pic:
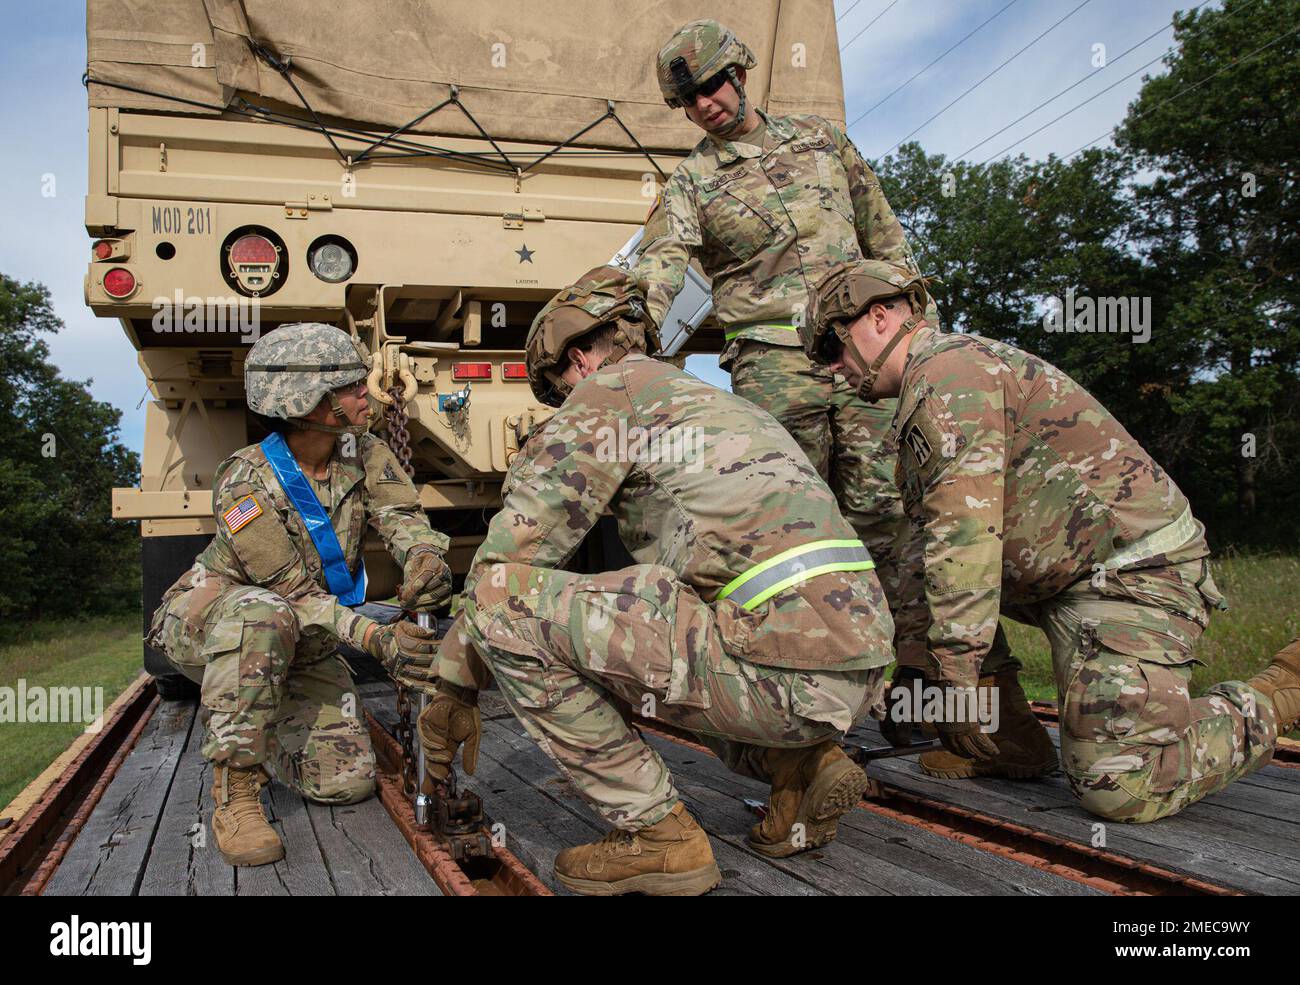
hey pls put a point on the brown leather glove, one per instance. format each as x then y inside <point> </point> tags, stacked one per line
<point>901,733</point>
<point>426,580</point>
<point>965,738</point>
<point>405,649</point>
<point>450,719</point>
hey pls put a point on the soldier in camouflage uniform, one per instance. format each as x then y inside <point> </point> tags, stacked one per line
<point>255,621</point>
<point>751,617</point>
<point>767,205</point>
<point>1029,499</point>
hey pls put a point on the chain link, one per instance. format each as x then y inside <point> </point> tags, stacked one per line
<point>398,435</point>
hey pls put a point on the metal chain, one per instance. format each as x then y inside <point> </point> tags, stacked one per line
<point>399,438</point>
<point>405,738</point>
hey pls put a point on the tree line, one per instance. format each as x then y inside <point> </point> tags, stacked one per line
<point>1196,212</point>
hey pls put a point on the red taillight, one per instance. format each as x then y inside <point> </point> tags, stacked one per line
<point>119,282</point>
<point>253,249</point>
<point>514,371</point>
<point>103,250</point>
<point>471,371</point>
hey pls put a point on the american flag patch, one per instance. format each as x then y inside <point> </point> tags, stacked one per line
<point>241,514</point>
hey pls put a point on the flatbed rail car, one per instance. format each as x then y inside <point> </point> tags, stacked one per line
<point>128,814</point>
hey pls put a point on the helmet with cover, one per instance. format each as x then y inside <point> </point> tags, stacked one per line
<point>696,54</point>
<point>844,294</point>
<point>605,295</point>
<point>290,370</point>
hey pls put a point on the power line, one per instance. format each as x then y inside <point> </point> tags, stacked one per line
<point>990,75</point>
<point>1074,85</point>
<point>930,66</point>
<point>1095,95</point>
<point>962,214</point>
<point>1196,85</point>
<point>864,30</point>
<point>847,12</point>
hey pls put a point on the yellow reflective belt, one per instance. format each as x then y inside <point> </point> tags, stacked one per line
<point>798,564</point>
<point>745,328</point>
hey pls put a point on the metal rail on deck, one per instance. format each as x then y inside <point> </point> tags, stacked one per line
<point>29,856</point>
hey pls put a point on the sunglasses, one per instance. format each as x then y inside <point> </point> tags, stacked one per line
<point>711,85</point>
<point>830,346</point>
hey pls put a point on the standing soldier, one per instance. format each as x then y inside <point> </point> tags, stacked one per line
<point>258,619</point>
<point>759,627</point>
<point>767,205</point>
<point>1029,499</point>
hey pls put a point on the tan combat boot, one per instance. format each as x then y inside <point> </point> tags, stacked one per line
<point>1280,683</point>
<point>243,834</point>
<point>812,787</point>
<point>671,858</point>
<point>1025,749</point>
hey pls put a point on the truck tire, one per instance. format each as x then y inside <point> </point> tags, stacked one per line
<point>163,559</point>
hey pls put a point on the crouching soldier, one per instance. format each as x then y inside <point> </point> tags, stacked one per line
<point>1029,499</point>
<point>751,617</point>
<point>257,621</point>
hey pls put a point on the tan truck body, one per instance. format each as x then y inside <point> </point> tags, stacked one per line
<point>456,238</point>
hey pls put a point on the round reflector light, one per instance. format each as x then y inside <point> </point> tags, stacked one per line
<point>253,249</point>
<point>119,283</point>
<point>103,250</point>
<point>331,263</point>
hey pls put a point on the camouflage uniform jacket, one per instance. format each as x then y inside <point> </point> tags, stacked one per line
<point>766,224</point>
<point>273,550</point>
<point>1019,484</point>
<point>701,482</point>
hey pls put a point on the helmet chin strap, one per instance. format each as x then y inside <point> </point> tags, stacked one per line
<point>354,429</point>
<point>729,130</point>
<point>868,381</point>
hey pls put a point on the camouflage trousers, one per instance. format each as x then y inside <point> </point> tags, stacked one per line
<point>272,697</point>
<point>573,654</point>
<point>845,438</point>
<point>1135,746</point>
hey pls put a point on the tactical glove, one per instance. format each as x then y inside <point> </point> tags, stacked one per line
<point>426,580</point>
<point>964,738</point>
<point>405,649</point>
<point>901,733</point>
<point>450,719</point>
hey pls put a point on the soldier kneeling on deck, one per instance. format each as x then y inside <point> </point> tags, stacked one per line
<point>1028,499</point>
<point>752,617</point>
<point>258,620</point>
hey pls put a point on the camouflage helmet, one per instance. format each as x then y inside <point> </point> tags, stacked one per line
<point>698,51</point>
<point>291,369</point>
<point>846,292</point>
<point>601,296</point>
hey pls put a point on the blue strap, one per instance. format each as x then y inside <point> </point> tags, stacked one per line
<point>350,591</point>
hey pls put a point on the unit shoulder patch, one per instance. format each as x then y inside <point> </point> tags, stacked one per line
<point>389,474</point>
<point>244,512</point>
<point>919,445</point>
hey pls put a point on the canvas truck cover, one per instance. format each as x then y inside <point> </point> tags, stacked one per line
<point>527,70</point>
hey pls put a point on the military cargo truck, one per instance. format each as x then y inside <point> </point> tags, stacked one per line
<point>423,176</point>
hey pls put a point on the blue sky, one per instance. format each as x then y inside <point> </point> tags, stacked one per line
<point>43,124</point>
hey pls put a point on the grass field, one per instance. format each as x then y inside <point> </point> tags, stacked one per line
<point>99,652</point>
<point>1262,618</point>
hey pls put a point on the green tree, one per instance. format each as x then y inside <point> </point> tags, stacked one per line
<point>60,460</point>
<point>1220,132</point>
